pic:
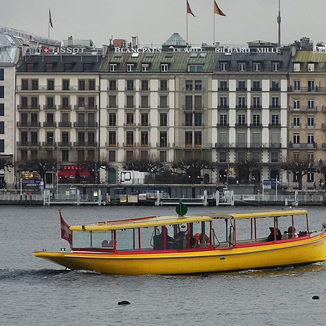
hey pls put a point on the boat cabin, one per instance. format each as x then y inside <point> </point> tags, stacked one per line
<point>191,232</point>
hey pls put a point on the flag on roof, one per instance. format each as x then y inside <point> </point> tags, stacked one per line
<point>217,10</point>
<point>189,11</point>
<point>50,19</point>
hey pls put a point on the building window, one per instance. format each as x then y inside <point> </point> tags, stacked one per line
<point>296,121</point>
<point>188,102</point>
<point>223,119</point>
<point>112,119</point>
<point>24,84</point>
<point>241,85</point>
<point>198,138</point>
<point>241,119</point>
<point>296,138</point>
<point>256,102</point>
<point>2,110</point>
<point>241,102</point>
<point>311,67</point>
<point>188,138</point>
<point>65,155</point>
<point>275,103</point>
<point>163,119</point>
<point>195,68</point>
<point>163,85</point>
<point>256,119</point>
<point>113,85</point>
<point>50,84</point>
<point>311,104</point>
<point>144,119</point>
<point>113,67</point>
<point>30,67</point>
<point>223,66</point>
<point>311,85</point>
<point>274,119</point>
<point>198,102</point>
<point>296,85</point>
<point>130,85</point>
<point>112,138</point>
<point>112,101</point>
<point>144,138</point>
<point>2,74</point>
<point>296,104</point>
<point>310,139</point>
<point>241,66</point>
<point>311,157</point>
<point>81,84</point>
<point>275,66</point>
<point>310,121</point>
<point>223,102</point>
<point>130,119</point>
<point>274,157</point>
<point>189,85</point>
<point>144,101</point>
<point>256,85</point>
<point>198,85</point>
<point>2,146</point>
<point>198,119</point>
<point>130,138</point>
<point>2,127</point>
<point>130,102</point>
<point>65,84</point>
<point>145,67</point>
<point>111,156</point>
<point>164,67</point>
<point>223,85</point>
<point>188,119</point>
<point>144,85</point>
<point>68,67</point>
<point>222,157</point>
<point>163,139</point>
<point>296,67</point>
<point>163,156</point>
<point>2,92</point>
<point>163,101</point>
<point>130,67</point>
<point>256,66</point>
<point>275,86</point>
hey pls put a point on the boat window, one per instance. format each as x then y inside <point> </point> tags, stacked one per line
<point>198,230</point>
<point>81,239</point>
<point>102,239</point>
<point>127,239</point>
<point>147,237</point>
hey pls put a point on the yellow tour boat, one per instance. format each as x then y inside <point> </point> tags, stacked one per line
<point>187,244</point>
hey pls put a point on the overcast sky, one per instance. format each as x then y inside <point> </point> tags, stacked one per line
<point>154,21</point>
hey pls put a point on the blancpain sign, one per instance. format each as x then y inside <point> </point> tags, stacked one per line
<point>199,49</point>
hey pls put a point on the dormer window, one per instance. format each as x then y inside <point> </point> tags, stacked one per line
<point>296,67</point>
<point>241,66</point>
<point>130,67</point>
<point>311,67</point>
<point>195,68</point>
<point>256,66</point>
<point>275,66</point>
<point>223,66</point>
<point>113,67</point>
<point>144,67</point>
<point>164,67</point>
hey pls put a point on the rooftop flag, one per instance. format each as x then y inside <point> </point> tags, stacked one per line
<point>189,11</point>
<point>217,10</point>
<point>50,19</point>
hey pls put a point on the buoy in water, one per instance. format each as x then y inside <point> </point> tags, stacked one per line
<point>315,297</point>
<point>123,302</point>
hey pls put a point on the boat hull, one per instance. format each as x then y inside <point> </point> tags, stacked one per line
<point>282,253</point>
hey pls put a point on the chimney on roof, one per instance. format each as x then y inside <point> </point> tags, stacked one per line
<point>70,41</point>
<point>134,41</point>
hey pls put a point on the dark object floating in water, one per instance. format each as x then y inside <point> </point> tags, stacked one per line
<point>315,297</point>
<point>123,302</point>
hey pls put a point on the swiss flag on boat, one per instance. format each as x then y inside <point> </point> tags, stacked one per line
<point>65,231</point>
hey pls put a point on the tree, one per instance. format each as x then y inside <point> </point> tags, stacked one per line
<point>146,165</point>
<point>192,168</point>
<point>244,169</point>
<point>299,168</point>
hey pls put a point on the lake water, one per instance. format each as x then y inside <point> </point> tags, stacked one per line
<point>37,292</point>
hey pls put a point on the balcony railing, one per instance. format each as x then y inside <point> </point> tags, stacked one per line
<point>303,145</point>
<point>307,89</point>
<point>85,144</point>
<point>85,107</point>
<point>85,124</point>
<point>28,144</point>
<point>65,124</point>
<point>48,124</point>
<point>28,107</point>
<point>28,124</point>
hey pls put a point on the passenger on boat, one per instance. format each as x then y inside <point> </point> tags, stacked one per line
<point>159,243</point>
<point>105,243</point>
<point>271,235</point>
<point>291,232</point>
